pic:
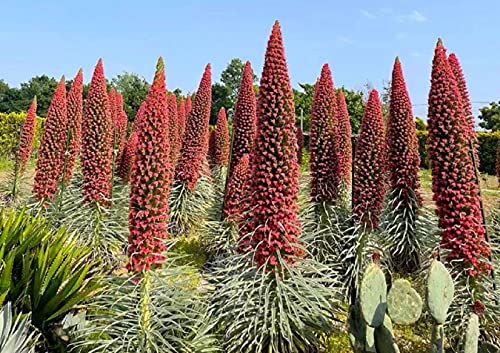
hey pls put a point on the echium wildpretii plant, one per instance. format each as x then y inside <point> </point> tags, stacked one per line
<point>50,162</point>
<point>25,147</point>
<point>97,141</point>
<point>369,180</point>
<point>191,194</point>
<point>128,155</point>
<point>181,120</point>
<point>268,298</point>
<point>218,156</point>
<point>322,145</point>
<point>453,179</point>
<point>75,111</point>
<point>150,180</point>
<point>466,104</point>
<point>404,241</point>
<point>456,194</point>
<point>344,150</point>
<point>244,119</point>
<point>173,130</point>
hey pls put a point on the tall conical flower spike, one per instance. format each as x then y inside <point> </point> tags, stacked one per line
<point>195,145</point>
<point>369,184</point>
<point>97,141</point>
<point>75,112</point>
<point>244,120</point>
<point>150,180</point>
<point>50,162</point>
<point>275,171</point>
<point>453,179</point>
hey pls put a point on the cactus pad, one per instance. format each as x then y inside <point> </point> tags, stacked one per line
<point>357,329</point>
<point>472,335</point>
<point>370,339</point>
<point>440,290</point>
<point>437,339</point>
<point>384,337</point>
<point>404,303</point>
<point>373,296</point>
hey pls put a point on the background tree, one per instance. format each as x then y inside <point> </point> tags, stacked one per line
<point>490,117</point>
<point>303,99</point>
<point>224,94</point>
<point>134,89</point>
<point>355,107</point>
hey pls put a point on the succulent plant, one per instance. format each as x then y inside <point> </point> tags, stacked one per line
<point>404,304</point>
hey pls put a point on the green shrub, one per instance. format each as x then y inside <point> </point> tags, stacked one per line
<point>488,145</point>
<point>10,129</point>
<point>422,150</point>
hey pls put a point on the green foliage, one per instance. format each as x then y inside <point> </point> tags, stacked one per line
<point>134,89</point>
<point>422,148</point>
<point>372,296</point>
<point>19,99</point>
<point>44,272</point>
<point>355,108</point>
<point>490,117</point>
<point>10,131</point>
<point>303,99</point>
<point>17,336</point>
<point>225,93</point>
<point>420,124</point>
<point>488,145</point>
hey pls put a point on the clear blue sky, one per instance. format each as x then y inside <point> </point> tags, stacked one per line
<point>359,39</point>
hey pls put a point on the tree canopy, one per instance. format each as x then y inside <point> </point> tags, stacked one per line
<point>490,117</point>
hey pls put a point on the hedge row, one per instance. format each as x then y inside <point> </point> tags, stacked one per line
<point>10,128</point>
<point>488,144</point>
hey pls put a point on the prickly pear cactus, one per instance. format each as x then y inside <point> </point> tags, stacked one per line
<point>404,304</point>
<point>357,329</point>
<point>437,339</point>
<point>384,337</point>
<point>373,296</point>
<point>440,290</point>
<point>370,339</point>
<point>472,334</point>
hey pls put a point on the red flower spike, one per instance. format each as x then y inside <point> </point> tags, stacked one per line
<point>219,142</point>
<point>195,145</point>
<point>113,106</point>
<point>323,159</point>
<point>50,162</point>
<point>181,120</point>
<point>344,145</point>
<point>300,145</point>
<point>188,106</point>
<point>244,120</point>
<point>466,104</point>
<point>173,129</point>
<point>236,193</point>
<point>453,180</point>
<point>150,180</point>
<point>75,111</point>
<point>275,171</point>
<point>403,160</point>
<point>127,158</point>
<point>369,184</point>
<point>120,125</point>
<point>26,140</point>
<point>97,141</point>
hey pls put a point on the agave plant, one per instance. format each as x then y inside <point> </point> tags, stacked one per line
<point>15,336</point>
<point>159,311</point>
<point>44,272</point>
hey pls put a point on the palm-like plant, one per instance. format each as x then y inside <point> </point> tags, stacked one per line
<point>44,272</point>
